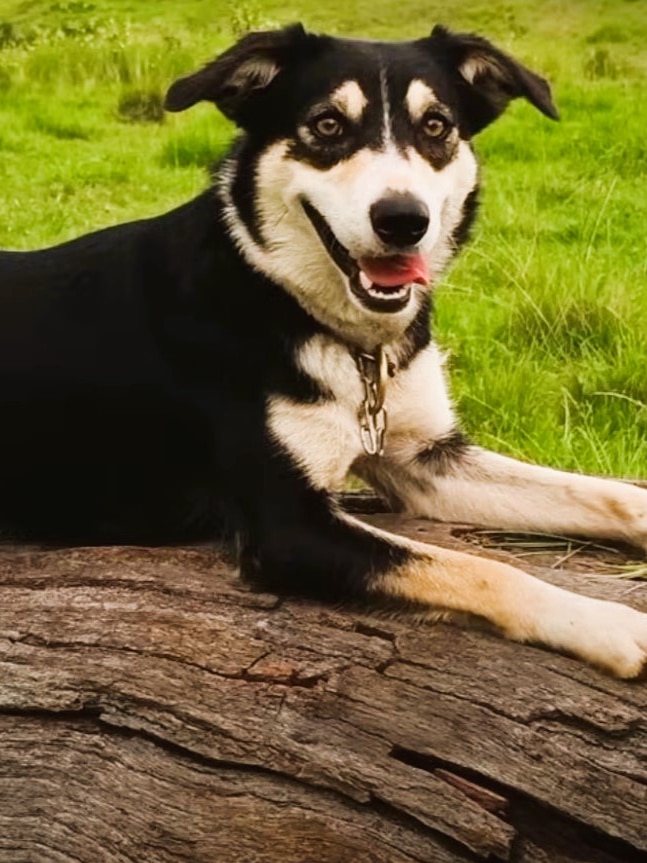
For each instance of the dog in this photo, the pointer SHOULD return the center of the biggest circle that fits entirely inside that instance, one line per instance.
(217, 371)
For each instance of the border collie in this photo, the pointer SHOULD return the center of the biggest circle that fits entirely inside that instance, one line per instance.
(217, 371)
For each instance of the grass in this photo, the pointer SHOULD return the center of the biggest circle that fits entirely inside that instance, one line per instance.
(544, 315)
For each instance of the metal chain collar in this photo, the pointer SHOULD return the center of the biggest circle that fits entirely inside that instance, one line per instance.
(374, 369)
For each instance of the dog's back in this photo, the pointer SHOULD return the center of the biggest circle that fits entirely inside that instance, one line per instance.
(99, 438)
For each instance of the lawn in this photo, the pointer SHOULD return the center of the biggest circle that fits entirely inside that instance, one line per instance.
(544, 315)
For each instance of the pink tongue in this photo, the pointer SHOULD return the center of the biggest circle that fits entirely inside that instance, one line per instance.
(395, 270)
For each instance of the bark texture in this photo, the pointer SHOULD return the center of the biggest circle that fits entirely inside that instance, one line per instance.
(154, 708)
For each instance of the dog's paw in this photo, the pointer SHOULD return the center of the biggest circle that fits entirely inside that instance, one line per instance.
(607, 634)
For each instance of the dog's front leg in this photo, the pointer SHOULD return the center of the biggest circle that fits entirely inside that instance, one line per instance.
(469, 484)
(429, 469)
(312, 548)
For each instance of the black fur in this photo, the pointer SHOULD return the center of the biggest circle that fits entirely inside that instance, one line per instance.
(118, 357)
(463, 230)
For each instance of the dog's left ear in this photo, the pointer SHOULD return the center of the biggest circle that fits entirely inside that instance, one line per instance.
(487, 79)
(234, 78)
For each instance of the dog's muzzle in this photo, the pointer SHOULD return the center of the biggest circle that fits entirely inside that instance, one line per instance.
(381, 284)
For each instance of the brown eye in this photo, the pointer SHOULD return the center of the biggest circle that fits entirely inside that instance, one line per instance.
(328, 126)
(435, 126)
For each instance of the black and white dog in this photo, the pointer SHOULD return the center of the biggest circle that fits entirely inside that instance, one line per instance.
(218, 370)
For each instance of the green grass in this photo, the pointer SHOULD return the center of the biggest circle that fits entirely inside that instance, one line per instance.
(545, 313)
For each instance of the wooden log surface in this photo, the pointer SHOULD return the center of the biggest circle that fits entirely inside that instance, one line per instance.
(155, 708)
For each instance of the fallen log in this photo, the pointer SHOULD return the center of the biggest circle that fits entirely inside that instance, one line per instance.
(155, 708)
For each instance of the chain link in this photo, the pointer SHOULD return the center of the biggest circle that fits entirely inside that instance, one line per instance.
(373, 371)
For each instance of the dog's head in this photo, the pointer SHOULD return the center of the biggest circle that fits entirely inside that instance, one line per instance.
(355, 180)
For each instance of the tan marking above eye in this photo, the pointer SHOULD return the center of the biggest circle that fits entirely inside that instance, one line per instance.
(419, 98)
(349, 98)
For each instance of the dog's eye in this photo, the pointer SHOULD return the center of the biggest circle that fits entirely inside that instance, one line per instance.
(328, 126)
(435, 125)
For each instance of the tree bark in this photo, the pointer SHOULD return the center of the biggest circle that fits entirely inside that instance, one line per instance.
(155, 708)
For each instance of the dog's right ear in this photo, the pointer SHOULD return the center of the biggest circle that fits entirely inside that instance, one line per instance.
(234, 78)
(487, 79)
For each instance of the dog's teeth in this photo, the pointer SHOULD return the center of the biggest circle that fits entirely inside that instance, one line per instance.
(365, 282)
(391, 295)
(377, 292)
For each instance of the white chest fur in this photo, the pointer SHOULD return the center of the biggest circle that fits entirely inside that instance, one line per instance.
(324, 438)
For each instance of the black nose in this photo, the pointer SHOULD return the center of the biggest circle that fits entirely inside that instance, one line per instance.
(400, 219)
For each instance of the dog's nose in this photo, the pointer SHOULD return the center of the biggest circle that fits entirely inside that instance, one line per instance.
(400, 220)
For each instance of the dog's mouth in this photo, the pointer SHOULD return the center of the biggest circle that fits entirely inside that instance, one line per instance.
(382, 284)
